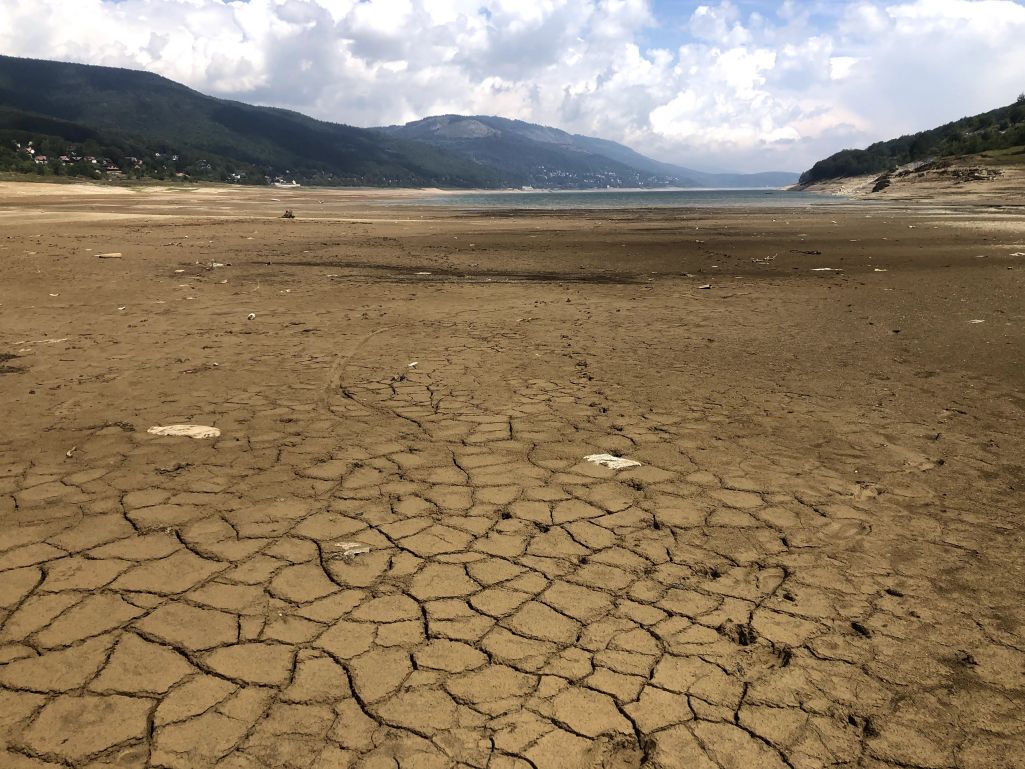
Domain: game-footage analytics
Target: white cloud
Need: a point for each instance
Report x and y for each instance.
(841, 66)
(719, 24)
(724, 88)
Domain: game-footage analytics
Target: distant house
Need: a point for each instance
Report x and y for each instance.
(41, 159)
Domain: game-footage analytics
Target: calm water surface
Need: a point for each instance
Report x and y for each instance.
(588, 199)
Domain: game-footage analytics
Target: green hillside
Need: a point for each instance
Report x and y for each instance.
(122, 113)
(994, 130)
(60, 119)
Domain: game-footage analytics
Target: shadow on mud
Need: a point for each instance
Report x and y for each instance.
(447, 275)
(5, 368)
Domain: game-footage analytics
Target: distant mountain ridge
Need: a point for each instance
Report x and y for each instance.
(547, 157)
(997, 129)
(58, 118)
(121, 113)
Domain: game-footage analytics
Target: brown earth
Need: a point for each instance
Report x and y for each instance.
(819, 561)
(995, 179)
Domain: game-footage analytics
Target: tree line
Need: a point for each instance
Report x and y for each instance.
(998, 129)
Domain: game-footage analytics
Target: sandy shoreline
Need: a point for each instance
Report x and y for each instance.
(936, 185)
(819, 560)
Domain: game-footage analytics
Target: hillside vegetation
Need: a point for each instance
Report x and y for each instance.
(139, 124)
(60, 119)
(994, 130)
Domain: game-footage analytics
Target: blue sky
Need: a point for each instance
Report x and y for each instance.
(727, 84)
(672, 18)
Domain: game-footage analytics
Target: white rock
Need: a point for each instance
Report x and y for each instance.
(610, 461)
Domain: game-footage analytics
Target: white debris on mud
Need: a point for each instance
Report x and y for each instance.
(610, 461)
(351, 549)
(185, 431)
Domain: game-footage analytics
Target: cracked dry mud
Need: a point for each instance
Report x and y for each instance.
(818, 563)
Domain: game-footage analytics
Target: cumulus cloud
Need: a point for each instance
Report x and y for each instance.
(723, 88)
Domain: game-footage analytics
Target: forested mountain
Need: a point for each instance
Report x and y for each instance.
(101, 122)
(997, 129)
(128, 117)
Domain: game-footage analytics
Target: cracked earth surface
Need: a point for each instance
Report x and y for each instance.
(818, 562)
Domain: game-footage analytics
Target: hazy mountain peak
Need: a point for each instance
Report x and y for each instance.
(456, 127)
(542, 156)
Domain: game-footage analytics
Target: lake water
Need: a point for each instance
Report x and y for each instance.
(591, 199)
